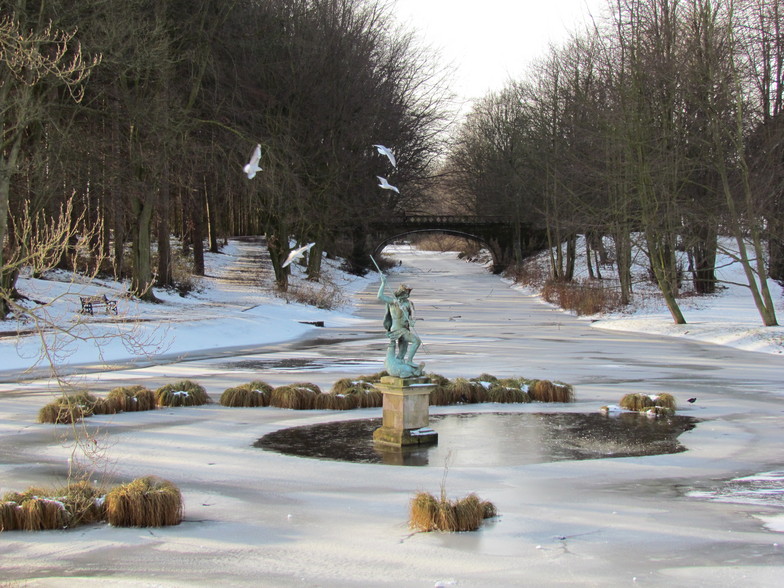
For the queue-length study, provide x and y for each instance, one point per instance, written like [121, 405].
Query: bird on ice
[388, 152]
[297, 253]
[386, 185]
[253, 165]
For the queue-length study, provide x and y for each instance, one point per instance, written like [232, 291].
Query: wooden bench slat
[89, 302]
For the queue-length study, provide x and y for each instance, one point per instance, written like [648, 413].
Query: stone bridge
[498, 234]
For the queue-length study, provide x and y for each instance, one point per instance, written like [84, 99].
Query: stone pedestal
[406, 416]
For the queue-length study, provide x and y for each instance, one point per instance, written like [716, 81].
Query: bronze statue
[403, 339]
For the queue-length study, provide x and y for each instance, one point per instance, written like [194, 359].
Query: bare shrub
[300, 396]
[145, 502]
[182, 393]
[530, 273]
[183, 278]
[325, 294]
[253, 394]
[442, 242]
[581, 298]
[132, 398]
[84, 503]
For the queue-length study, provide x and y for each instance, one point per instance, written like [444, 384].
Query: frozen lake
[258, 517]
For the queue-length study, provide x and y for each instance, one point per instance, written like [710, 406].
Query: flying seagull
[297, 253]
[253, 165]
[388, 152]
[386, 185]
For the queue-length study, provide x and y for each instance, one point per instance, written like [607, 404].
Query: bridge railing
[446, 219]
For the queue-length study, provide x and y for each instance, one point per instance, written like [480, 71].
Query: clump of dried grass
[10, 516]
[84, 502]
[428, 513]
[665, 400]
[134, 398]
[374, 378]
[636, 402]
[664, 403]
[547, 391]
[145, 502]
[182, 393]
[43, 514]
[507, 394]
[486, 378]
[39, 509]
[463, 391]
[104, 406]
[364, 393]
[438, 379]
[68, 408]
[333, 401]
[253, 394]
[658, 411]
[441, 395]
[300, 396]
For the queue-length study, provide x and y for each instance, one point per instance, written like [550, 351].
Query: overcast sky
[489, 41]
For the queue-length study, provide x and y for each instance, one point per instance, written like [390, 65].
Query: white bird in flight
[297, 253]
[388, 152]
[253, 165]
[386, 185]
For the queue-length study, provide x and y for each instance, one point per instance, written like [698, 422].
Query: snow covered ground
[222, 314]
[708, 516]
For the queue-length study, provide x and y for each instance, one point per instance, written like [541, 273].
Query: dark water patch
[296, 364]
[490, 439]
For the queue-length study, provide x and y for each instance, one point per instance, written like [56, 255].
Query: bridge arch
[491, 247]
[504, 238]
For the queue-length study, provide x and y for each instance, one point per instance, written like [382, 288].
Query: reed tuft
[428, 513]
[145, 502]
[183, 393]
[253, 394]
[301, 396]
[547, 391]
[134, 398]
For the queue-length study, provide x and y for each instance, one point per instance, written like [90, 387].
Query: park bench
[91, 303]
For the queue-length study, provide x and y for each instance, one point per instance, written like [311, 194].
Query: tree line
[660, 126]
[126, 124]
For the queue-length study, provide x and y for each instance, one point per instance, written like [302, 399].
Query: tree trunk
[141, 278]
[704, 254]
[164, 278]
[198, 241]
[663, 264]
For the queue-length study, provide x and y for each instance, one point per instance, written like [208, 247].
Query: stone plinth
[405, 412]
